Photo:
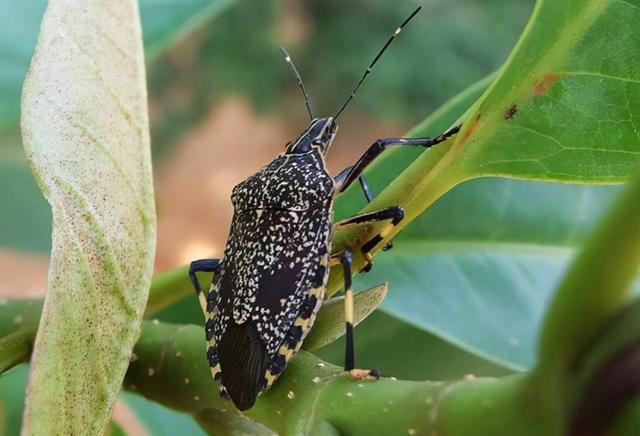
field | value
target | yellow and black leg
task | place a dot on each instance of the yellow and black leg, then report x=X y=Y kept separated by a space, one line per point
x=392 y=214
x=346 y=259
x=202 y=265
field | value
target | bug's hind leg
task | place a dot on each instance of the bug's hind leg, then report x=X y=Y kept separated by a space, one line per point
x=393 y=214
x=345 y=258
x=202 y=265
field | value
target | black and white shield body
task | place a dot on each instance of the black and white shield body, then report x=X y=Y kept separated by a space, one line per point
x=271 y=283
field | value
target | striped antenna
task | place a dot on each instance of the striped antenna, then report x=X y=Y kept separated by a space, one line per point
x=368 y=70
x=307 y=102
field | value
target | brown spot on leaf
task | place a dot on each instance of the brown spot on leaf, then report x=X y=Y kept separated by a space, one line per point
x=508 y=115
x=542 y=86
x=466 y=134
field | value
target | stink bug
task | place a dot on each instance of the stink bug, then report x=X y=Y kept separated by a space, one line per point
x=271 y=281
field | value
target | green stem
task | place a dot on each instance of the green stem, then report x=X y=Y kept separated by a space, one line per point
x=590 y=292
x=15 y=348
x=170 y=368
x=168 y=288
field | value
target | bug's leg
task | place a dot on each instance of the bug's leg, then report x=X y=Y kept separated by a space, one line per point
x=366 y=189
x=202 y=265
x=363 y=182
x=381 y=145
x=345 y=258
x=392 y=214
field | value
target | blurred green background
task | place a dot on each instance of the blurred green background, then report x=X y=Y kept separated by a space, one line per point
x=202 y=54
x=233 y=49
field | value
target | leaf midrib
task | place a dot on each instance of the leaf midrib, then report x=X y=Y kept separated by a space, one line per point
x=440 y=245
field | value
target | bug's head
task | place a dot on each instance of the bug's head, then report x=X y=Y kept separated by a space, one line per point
x=321 y=131
x=319 y=134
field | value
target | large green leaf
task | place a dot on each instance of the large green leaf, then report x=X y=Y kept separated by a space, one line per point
x=575 y=85
x=161 y=22
x=563 y=108
x=478 y=267
x=86 y=135
x=589 y=323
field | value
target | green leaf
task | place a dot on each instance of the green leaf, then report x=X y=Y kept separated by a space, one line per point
x=161 y=23
x=85 y=130
x=395 y=160
x=500 y=285
x=481 y=280
x=329 y=324
x=574 y=91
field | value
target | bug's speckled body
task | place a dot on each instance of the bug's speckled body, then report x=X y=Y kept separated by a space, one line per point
x=270 y=286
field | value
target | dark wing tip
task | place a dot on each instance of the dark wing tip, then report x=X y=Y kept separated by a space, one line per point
x=243 y=361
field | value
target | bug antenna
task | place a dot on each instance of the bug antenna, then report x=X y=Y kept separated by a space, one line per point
x=307 y=101
x=368 y=70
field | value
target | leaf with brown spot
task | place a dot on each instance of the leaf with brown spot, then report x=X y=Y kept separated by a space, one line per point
x=578 y=110
x=542 y=85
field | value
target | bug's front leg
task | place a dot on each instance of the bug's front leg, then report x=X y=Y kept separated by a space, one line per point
x=202 y=265
x=392 y=214
x=341 y=177
x=381 y=145
x=345 y=259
